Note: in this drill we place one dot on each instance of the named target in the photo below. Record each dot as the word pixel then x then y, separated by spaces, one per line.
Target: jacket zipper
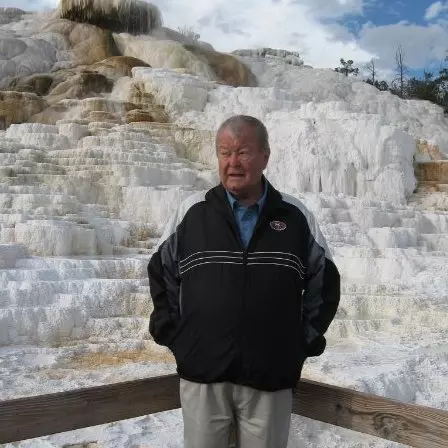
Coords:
pixel 239 330
pixel 235 230
pixel 260 221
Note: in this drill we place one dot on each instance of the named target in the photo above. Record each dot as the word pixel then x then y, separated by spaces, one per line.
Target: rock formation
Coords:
pixel 105 132
pixel 119 16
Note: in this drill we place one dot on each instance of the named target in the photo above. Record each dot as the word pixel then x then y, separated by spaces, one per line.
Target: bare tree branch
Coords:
pixel 401 70
pixel 370 67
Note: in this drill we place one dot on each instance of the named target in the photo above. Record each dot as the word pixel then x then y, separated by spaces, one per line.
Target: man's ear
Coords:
pixel 266 158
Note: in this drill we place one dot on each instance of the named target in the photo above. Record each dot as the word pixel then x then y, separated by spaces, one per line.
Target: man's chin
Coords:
pixel 237 191
pixel 235 184
pixel 232 185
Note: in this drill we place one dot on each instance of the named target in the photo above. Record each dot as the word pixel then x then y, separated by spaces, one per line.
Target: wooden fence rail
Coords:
pixel 26 418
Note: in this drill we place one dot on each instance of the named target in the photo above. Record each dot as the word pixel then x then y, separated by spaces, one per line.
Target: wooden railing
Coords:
pixel 26 418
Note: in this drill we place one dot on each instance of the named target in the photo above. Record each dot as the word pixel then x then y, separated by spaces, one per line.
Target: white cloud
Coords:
pixel 290 24
pixel 332 9
pixel 30 5
pixel 298 25
pixel 307 26
pixel 434 10
pixel 422 45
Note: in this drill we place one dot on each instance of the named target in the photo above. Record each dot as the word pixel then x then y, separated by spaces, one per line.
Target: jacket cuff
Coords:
pixel 316 347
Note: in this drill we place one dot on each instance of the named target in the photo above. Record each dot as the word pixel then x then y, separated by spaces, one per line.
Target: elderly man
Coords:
pixel 244 289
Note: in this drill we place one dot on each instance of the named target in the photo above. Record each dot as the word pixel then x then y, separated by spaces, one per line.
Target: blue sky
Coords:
pixel 423 20
pixel 389 12
pixel 323 31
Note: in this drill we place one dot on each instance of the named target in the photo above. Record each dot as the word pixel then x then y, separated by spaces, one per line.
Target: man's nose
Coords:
pixel 234 160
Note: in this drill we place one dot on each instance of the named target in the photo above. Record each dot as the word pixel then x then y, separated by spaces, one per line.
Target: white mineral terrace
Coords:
pixel 77 226
pixel 82 204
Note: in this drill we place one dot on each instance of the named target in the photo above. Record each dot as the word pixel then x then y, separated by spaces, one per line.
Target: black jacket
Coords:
pixel 252 316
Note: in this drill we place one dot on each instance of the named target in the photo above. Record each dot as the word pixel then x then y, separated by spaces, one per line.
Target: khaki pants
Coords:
pixel 261 419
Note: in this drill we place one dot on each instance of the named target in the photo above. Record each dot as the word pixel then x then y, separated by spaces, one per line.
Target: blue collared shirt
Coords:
pixel 247 217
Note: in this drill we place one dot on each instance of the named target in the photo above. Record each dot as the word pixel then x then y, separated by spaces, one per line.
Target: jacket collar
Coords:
pixel 218 197
pixel 260 203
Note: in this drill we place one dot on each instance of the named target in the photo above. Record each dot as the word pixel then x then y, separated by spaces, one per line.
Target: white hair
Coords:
pixel 237 122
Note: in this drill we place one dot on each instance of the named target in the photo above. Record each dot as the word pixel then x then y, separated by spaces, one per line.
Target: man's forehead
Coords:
pixel 244 133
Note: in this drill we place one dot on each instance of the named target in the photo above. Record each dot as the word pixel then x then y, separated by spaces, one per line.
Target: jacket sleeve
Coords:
pixel 164 283
pixel 321 293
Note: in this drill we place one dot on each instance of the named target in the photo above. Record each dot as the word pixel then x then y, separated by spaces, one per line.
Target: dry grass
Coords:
pixel 100 360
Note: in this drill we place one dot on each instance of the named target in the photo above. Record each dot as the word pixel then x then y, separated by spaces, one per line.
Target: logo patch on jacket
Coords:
pixel 277 225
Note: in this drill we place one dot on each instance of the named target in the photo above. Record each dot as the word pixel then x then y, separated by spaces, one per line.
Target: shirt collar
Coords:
pixel 234 202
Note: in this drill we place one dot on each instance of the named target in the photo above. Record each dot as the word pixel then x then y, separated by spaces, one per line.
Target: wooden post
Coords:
pixel 409 424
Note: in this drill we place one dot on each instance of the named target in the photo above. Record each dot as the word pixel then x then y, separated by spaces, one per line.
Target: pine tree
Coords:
pixel 347 68
pixel 425 88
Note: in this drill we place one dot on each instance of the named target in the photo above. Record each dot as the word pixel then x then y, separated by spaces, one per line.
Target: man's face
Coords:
pixel 241 161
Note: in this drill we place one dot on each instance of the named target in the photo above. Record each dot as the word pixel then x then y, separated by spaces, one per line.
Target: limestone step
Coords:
pixel 118 328
pixel 125 147
pixel 106 157
pixel 38 324
pixel 431 186
pixel 94 287
pixel 346 328
pixel 123 140
pixel 20 298
pixel 377 288
pixel 10 145
pixel 359 305
pixel 9 218
pixel 426 201
pixel 175 174
pixel 7 159
pixel 17 297
pixel 15 131
pixel 350 251
pixel 20 275
pixel 44 141
pixel 407 326
pixel 435 171
pixel 152 126
pixel 103 306
pixel 110 166
pixel 43 213
pixel 345 232
pixel 106 267
pixel 26 189
pixel 120 133
pixel 51 179
pixel 144 289
pixel 436 241
pixel 43 216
